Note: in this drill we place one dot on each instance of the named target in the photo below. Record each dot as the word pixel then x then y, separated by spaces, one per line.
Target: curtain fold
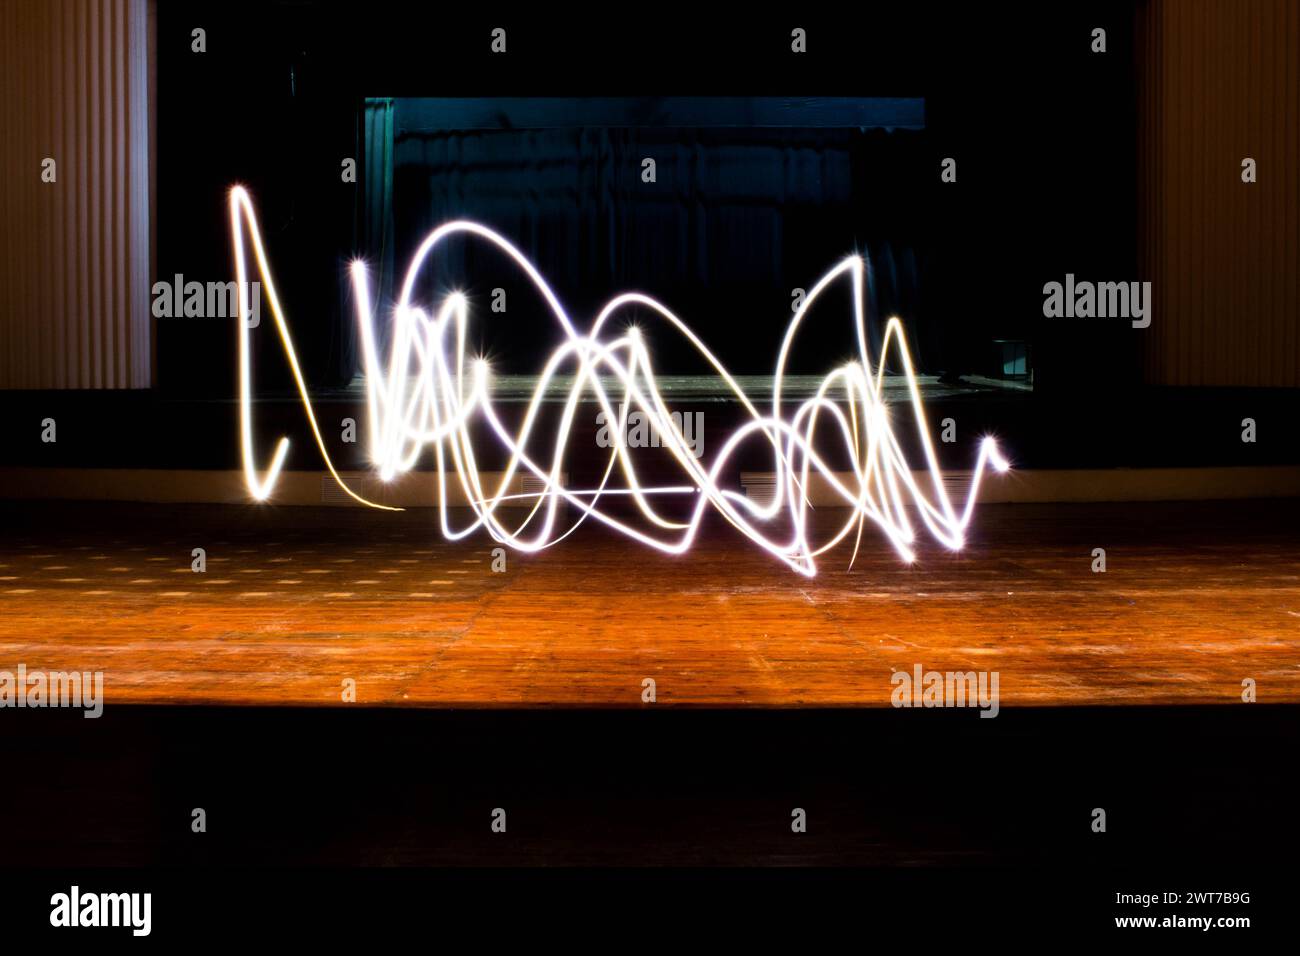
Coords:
pixel 376 232
pixel 75 158
pixel 736 219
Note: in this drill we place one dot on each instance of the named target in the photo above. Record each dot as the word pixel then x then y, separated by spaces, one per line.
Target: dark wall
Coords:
pixel 1041 128
pixel 250 110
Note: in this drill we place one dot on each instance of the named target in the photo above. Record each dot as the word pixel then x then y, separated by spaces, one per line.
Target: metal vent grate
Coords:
pixel 759 487
pixel 364 485
pixel 532 485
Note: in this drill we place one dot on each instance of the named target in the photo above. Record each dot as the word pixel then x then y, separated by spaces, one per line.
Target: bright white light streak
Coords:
pixel 429 393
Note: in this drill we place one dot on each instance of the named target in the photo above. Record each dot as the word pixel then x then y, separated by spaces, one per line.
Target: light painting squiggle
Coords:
pixel 430 391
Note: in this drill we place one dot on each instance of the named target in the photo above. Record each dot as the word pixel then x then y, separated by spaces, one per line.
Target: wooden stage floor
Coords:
pixel 1196 598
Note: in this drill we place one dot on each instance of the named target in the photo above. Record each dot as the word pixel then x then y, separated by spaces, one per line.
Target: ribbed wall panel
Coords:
pixel 1217 83
pixel 74 286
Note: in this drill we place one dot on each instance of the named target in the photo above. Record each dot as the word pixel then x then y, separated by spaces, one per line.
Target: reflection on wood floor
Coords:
pixel 1195 599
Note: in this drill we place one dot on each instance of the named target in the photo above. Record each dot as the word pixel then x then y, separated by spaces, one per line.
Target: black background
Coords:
pixel 1043 131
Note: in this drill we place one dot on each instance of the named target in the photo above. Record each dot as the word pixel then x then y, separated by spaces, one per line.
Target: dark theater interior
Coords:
pixel 669 465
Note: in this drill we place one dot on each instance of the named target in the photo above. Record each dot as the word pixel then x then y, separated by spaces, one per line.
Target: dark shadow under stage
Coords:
pixel 1193 794
pixel 294 602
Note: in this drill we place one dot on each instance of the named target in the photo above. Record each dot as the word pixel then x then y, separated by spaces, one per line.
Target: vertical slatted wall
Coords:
pixel 1219 81
pixel 74 283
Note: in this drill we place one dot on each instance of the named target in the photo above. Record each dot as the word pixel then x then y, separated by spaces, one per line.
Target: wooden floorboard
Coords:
pixel 1196 597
